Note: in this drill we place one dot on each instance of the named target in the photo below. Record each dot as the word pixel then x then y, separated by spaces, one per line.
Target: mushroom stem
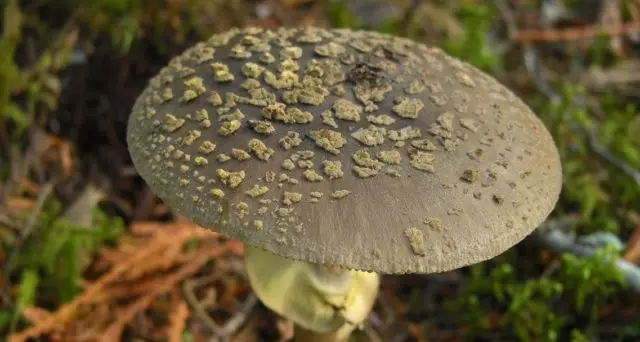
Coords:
pixel 325 302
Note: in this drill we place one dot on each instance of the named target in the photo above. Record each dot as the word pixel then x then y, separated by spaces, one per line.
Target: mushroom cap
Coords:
pixel 355 148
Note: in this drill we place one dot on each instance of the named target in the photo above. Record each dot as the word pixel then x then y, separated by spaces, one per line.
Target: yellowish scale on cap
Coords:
pixel 191 137
pixel 235 115
pixel 221 72
pixel 312 176
pixel 370 136
pixel 240 154
pixel 423 161
pixel 289 65
pixel 327 119
pixel 267 58
pixel 470 124
pixel 347 110
pixel 229 127
pixel 294 52
pixel 405 133
pixel 382 119
pixel 303 154
pixel 285 80
pixel 252 70
pixel 260 149
pixel 470 175
pixel 392 172
pixel 257 190
pixel 200 161
pixel 232 179
pixel 312 92
pixel 288 164
pixel 291 197
pixel 365 172
pixel 363 158
pixel 242 209
pixel 408 108
pixel 194 88
pixel 171 123
pixel 167 94
pixel 424 145
pixel 414 87
pixel 330 49
pixel 329 140
pixel 250 83
pixel 269 176
pixel 214 98
pixel 206 147
pixel 465 79
pixel 262 127
pixel 258 224
pixel 389 156
pixel 339 194
pixel 416 240
pixel 239 52
pixel 305 164
pixel 222 157
pixel 280 112
pixel 332 168
pixel 445 120
pixel 434 224
pixel 217 193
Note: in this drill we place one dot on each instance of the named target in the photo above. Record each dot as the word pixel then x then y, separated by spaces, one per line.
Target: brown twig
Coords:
pixel 239 317
pixel 573 33
pixel 188 290
pixel 204 255
pixel 632 253
pixel 177 318
pixel 94 292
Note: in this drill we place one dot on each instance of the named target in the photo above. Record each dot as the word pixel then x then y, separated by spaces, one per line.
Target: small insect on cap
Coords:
pixel 345 147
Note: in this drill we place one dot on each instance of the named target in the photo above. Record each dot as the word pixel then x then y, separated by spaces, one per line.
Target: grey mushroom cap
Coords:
pixel 354 148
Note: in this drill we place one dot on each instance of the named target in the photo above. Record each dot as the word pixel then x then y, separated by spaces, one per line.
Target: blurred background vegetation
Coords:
pixel 77 226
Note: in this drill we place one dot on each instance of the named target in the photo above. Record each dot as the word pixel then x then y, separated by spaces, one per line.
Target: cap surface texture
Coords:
pixel 355 148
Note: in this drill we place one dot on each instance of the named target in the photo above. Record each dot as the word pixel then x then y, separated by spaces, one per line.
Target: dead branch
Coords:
pixel 573 33
pixel 177 318
pixel 148 256
pixel 202 256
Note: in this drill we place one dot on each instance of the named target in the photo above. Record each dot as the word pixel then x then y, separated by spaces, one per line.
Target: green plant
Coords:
pixel 474 45
pixel 524 305
pixel 31 91
pixel 340 16
pixel 48 263
pixel 594 188
pixel 591 281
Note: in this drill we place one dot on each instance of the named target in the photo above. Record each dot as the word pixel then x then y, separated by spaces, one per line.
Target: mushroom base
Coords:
pixel 325 302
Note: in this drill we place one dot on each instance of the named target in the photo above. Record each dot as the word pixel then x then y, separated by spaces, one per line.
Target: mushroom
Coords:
pixel 338 155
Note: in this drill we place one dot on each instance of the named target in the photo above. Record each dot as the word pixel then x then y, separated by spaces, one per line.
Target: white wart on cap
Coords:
pixel 345 147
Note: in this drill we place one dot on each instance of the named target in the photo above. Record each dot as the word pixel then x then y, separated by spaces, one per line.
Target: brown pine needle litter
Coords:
pixel 148 264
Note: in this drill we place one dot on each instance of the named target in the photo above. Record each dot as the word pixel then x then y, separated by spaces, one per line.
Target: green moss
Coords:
pixel 591 281
pixel 474 45
pixel 340 16
pixel 600 191
pixel 48 264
